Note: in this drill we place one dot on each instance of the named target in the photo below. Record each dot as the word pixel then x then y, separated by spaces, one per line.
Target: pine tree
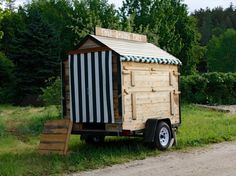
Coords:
pixel 36 55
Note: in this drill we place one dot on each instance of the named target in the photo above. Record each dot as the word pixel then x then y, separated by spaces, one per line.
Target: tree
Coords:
pixel 91 13
pixel 6 69
pixel 211 20
pixel 167 24
pixel 35 53
pixel 221 52
pixel 6 79
pixel 10 4
pixel 58 15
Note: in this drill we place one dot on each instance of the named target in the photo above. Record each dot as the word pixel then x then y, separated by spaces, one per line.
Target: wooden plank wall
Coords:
pixel 149 91
pixel 89 44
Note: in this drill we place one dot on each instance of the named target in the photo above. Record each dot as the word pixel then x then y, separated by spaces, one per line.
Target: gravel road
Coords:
pixel 215 160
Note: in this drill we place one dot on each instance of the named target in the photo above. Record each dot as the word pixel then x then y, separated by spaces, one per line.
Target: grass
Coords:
pixel 19 137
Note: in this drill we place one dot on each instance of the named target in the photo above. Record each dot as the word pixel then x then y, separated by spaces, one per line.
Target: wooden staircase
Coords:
pixel 55 137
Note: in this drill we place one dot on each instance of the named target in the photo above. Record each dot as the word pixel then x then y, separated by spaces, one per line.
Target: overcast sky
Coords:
pixel 192 4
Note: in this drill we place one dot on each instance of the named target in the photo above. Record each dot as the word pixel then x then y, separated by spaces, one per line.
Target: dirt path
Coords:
pixel 224 108
pixel 216 160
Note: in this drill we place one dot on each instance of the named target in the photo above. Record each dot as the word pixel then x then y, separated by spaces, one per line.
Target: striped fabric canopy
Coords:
pixel 91 89
pixel 151 60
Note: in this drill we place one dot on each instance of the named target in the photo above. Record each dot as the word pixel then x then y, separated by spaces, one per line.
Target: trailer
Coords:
pixel 117 84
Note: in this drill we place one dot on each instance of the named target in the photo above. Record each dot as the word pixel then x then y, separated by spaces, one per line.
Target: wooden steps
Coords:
pixel 55 137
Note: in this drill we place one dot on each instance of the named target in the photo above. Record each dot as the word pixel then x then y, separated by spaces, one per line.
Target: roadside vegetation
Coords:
pixel 20 129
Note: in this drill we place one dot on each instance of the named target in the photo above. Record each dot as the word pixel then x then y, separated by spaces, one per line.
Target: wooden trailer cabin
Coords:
pixel 116 83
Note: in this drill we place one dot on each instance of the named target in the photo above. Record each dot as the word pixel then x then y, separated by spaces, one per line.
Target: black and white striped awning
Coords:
pixel 91 89
pixel 160 60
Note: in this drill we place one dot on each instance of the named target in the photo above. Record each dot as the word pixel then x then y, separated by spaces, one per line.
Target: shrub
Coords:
pixel 209 88
pixel 52 93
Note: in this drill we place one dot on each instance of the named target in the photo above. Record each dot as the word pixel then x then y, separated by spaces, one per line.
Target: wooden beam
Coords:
pixel 172 108
pixel 134 110
pixel 170 79
pixel 88 50
pixel 133 78
pixel 120 34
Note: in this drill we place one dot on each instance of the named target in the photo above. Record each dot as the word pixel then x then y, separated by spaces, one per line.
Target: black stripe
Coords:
pixel 94 87
pixel 79 89
pixel 108 88
pixel 101 86
pixel 119 86
pixel 86 85
pixel 72 86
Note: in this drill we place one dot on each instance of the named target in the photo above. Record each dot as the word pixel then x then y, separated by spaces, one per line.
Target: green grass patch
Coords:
pixel 20 137
pixel 201 126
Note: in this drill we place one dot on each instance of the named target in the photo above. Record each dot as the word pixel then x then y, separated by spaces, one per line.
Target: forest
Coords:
pixel 35 37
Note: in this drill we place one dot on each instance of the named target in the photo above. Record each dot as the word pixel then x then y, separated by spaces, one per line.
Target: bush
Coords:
pixel 52 93
pixel 209 88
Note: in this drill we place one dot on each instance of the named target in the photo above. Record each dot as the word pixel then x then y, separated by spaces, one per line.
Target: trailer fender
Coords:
pixel 149 131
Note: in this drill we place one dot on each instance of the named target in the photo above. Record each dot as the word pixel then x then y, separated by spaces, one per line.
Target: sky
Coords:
pixel 192 4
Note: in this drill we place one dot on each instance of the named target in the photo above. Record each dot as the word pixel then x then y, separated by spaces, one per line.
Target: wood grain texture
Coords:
pixel 134 109
pixel 120 34
pixel 88 50
pixel 156 93
pixel 55 137
pixel 89 44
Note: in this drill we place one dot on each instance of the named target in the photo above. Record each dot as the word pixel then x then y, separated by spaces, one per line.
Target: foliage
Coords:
pixel 168 25
pixel 18 153
pixel 35 52
pixel 6 69
pixel 221 52
pixel 212 23
pixel 209 88
pixel 1 17
pixel 91 13
pixel 52 93
pixel 6 79
pixel 215 21
pixel 38 34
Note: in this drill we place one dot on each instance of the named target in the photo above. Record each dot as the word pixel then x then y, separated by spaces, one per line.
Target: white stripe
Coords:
pixel 90 88
pixel 104 86
pixel 76 88
pixel 111 86
pixel 69 57
pixel 83 87
pixel 97 87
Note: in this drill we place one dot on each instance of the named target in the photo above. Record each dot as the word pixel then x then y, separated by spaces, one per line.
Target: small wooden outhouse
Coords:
pixel 116 83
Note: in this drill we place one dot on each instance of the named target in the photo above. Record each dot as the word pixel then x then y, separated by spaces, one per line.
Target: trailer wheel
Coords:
pixel 162 136
pixel 91 139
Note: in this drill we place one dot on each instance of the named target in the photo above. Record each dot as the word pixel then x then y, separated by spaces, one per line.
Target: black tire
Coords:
pixel 162 136
pixel 91 139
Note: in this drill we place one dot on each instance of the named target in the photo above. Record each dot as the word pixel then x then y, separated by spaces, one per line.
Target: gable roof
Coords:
pixel 138 51
pixel 134 50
